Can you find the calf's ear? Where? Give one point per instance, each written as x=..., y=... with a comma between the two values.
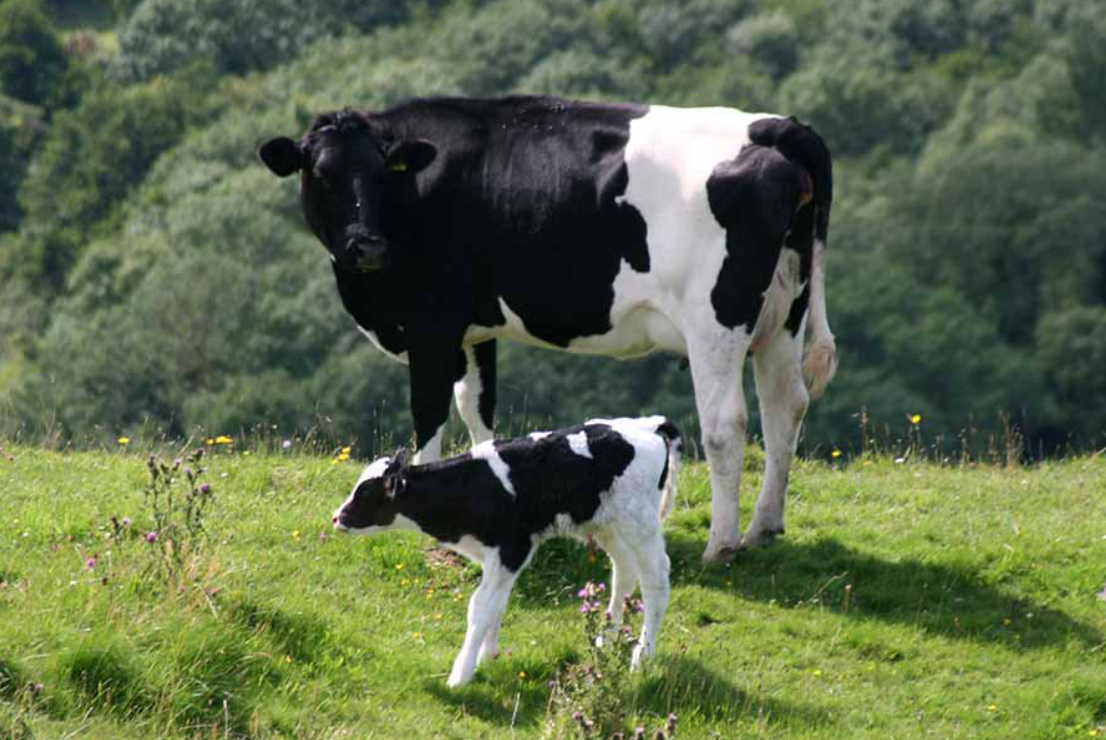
x=281, y=155
x=410, y=155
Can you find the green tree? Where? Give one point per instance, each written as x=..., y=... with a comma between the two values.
x=33, y=64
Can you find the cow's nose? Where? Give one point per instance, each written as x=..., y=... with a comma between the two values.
x=334, y=519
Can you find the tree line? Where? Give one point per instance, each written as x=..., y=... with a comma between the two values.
x=153, y=275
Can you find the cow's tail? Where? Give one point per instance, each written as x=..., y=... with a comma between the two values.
x=801, y=144
x=671, y=472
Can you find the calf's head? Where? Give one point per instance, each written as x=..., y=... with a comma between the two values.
x=371, y=507
x=347, y=162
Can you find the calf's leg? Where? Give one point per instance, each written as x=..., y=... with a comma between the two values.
x=654, y=566
x=485, y=611
x=783, y=403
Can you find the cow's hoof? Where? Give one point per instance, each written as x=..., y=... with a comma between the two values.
x=759, y=538
x=720, y=555
x=456, y=681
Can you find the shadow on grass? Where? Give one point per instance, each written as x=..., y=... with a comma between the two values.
x=492, y=704
x=684, y=686
x=676, y=684
x=941, y=599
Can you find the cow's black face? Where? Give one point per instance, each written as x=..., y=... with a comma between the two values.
x=345, y=166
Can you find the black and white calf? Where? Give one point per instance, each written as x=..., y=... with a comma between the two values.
x=613, y=479
x=600, y=228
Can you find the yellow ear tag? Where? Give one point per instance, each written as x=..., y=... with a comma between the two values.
x=398, y=167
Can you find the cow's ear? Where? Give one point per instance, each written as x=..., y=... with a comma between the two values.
x=410, y=155
x=281, y=155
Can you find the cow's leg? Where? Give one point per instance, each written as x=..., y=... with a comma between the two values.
x=485, y=610
x=432, y=372
x=475, y=391
x=716, y=366
x=783, y=402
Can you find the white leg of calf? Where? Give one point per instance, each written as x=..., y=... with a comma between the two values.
x=467, y=394
x=720, y=399
x=783, y=402
x=485, y=610
x=432, y=450
x=624, y=576
x=654, y=566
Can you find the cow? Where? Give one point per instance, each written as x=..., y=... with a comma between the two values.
x=613, y=480
x=599, y=228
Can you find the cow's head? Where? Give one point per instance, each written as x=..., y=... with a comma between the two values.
x=346, y=163
x=372, y=507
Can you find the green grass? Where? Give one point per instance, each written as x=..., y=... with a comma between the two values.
x=905, y=601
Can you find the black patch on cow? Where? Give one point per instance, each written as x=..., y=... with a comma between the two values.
x=462, y=496
x=753, y=197
x=485, y=361
x=801, y=239
x=520, y=204
x=756, y=198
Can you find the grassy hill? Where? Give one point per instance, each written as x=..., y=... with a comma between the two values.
x=906, y=600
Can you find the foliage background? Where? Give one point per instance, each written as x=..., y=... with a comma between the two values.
x=153, y=274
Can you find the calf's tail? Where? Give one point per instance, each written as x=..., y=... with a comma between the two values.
x=671, y=472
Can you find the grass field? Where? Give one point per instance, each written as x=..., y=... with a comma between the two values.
x=906, y=600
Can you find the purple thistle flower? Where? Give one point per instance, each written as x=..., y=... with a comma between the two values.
x=126, y=521
x=585, y=608
x=90, y=563
x=205, y=488
x=286, y=444
x=151, y=537
x=582, y=593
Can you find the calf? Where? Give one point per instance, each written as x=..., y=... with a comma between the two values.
x=613, y=479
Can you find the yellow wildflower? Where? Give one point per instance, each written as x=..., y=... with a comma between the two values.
x=817, y=672
x=835, y=453
x=399, y=566
x=916, y=419
x=992, y=708
x=123, y=440
x=346, y=450
x=223, y=439
x=210, y=441
x=522, y=674
x=295, y=534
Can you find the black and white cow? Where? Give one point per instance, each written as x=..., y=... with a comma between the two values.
x=611, y=229
x=611, y=479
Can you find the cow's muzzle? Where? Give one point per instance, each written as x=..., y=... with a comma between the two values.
x=366, y=253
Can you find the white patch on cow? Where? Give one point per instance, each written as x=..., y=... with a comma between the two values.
x=579, y=444
x=486, y=451
x=467, y=392
x=432, y=450
x=538, y=435
x=375, y=469
x=401, y=357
